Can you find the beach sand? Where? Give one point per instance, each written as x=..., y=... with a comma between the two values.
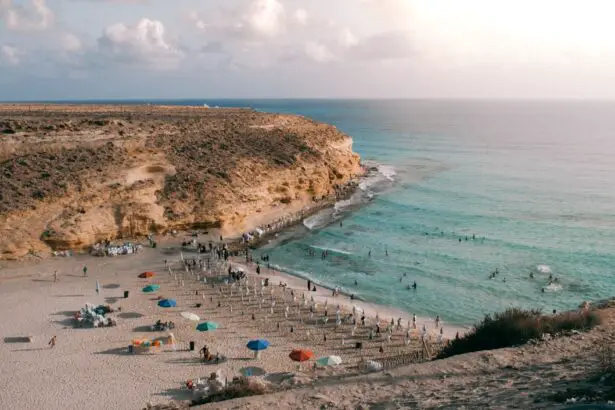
x=91, y=368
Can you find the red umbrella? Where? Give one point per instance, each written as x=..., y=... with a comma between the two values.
x=301, y=355
x=145, y=275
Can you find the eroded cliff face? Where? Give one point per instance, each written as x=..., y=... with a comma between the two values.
x=71, y=176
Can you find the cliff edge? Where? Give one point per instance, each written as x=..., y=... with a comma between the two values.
x=71, y=176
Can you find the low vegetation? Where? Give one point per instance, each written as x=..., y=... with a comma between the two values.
x=515, y=327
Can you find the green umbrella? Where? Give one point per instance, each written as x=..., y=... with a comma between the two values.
x=207, y=326
x=329, y=361
x=150, y=288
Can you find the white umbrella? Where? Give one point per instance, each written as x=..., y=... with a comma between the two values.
x=329, y=361
x=190, y=316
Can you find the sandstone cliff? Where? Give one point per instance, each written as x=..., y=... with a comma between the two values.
x=71, y=176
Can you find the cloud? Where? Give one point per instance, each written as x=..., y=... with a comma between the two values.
x=69, y=42
x=256, y=21
x=143, y=43
x=301, y=17
x=347, y=39
x=265, y=17
x=318, y=52
x=391, y=45
x=32, y=16
x=10, y=55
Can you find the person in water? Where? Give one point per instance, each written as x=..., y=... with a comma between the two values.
x=414, y=285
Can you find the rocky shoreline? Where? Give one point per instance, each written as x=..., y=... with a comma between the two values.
x=342, y=192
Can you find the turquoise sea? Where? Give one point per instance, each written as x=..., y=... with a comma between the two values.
x=532, y=180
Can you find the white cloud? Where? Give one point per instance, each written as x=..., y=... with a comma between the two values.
x=10, y=55
x=390, y=45
x=318, y=52
x=32, y=16
x=144, y=42
x=347, y=39
x=264, y=17
x=301, y=16
x=69, y=42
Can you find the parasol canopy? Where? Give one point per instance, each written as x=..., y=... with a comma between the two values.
x=167, y=303
x=207, y=326
x=190, y=316
x=329, y=361
x=257, y=344
x=150, y=288
x=145, y=275
x=301, y=355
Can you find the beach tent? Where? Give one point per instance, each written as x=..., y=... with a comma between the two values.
x=257, y=344
x=146, y=275
x=301, y=355
x=167, y=303
x=150, y=288
x=207, y=326
x=190, y=316
x=329, y=361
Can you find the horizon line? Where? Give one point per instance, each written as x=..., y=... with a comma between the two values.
x=205, y=99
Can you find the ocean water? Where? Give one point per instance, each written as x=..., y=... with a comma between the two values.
x=528, y=183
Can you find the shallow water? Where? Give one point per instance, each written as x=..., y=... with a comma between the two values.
x=531, y=178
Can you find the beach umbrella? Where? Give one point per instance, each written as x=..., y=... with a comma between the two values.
x=301, y=355
x=329, y=361
x=150, y=288
x=207, y=326
x=146, y=275
x=167, y=303
x=257, y=344
x=190, y=316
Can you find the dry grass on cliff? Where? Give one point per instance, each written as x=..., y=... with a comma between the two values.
x=515, y=327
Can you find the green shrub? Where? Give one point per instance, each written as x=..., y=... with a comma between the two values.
x=515, y=327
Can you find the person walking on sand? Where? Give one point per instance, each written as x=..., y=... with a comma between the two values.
x=437, y=321
x=52, y=342
x=55, y=276
x=85, y=271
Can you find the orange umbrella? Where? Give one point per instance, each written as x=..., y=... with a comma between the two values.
x=301, y=355
x=147, y=275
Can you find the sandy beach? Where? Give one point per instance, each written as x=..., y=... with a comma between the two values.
x=89, y=366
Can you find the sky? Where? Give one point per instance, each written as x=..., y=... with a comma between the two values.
x=117, y=49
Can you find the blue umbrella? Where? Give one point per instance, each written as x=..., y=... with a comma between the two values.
x=166, y=303
x=257, y=345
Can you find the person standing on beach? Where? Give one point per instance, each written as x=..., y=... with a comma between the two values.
x=414, y=321
x=52, y=342
x=85, y=271
x=55, y=276
x=309, y=283
x=437, y=321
